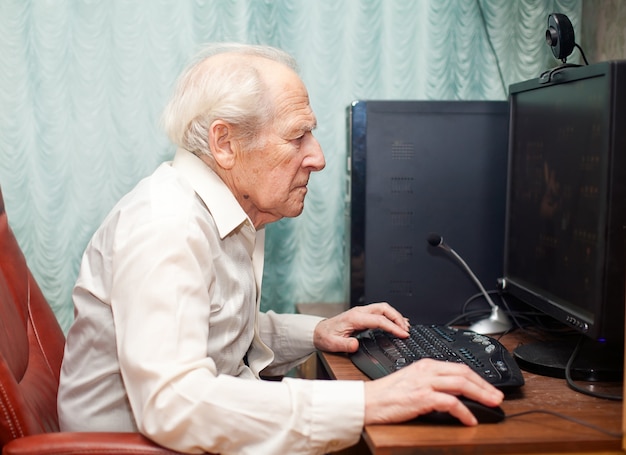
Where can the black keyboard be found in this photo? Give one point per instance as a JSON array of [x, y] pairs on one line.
[[381, 353]]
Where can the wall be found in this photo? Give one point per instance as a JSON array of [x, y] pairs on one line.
[[603, 30]]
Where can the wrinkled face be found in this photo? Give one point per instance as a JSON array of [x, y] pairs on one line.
[[271, 180]]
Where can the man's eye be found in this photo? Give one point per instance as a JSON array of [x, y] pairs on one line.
[[302, 137]]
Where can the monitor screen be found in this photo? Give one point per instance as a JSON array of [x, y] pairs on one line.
[[564, 235]]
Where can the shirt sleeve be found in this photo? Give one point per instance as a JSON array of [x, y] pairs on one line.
[[177, 397], [290, 336]]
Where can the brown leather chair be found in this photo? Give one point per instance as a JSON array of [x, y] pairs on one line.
[[31, 349]]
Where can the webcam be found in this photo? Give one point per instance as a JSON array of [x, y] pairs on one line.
[[560, 36]]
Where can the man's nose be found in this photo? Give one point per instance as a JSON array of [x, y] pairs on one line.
[[315, 155]]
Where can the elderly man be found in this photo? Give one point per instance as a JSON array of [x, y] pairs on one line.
[[168, 339]]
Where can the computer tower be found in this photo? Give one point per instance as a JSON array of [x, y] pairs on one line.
[[418, 167]]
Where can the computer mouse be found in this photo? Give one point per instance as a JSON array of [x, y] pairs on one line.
[[484, 414]]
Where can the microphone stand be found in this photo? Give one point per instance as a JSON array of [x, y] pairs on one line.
[[498, 321]]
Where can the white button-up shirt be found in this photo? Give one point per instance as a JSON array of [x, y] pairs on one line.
[[168, 339]]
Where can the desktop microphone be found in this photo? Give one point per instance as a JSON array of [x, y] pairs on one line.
[[498, 321]]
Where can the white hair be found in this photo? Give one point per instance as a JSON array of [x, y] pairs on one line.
[[231, 90]]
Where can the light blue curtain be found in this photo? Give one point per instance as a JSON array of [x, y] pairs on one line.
[[83, 82]]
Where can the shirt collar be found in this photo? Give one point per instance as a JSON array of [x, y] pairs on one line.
[[217, 197]]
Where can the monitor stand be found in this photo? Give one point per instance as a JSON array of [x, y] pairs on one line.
[[597, 362]]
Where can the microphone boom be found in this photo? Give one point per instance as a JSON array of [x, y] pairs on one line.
[[498, 321]]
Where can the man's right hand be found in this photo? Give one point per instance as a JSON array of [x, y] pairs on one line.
[[425, 386]]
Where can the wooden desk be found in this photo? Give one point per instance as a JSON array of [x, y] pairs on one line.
[[533, 433]]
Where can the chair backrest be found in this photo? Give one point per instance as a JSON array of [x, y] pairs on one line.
[[31, 346]]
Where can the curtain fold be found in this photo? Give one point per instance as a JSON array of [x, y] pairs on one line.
[[83, 83]]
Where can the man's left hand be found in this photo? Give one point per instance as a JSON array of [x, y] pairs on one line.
[[336, 334]]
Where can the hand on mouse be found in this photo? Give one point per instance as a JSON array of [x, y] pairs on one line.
[[426, 386]]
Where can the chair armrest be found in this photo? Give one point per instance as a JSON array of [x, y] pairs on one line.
[[84, 444]]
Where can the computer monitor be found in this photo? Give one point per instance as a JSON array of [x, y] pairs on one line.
[[566, 211]]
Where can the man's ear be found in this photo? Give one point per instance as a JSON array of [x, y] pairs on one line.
[[222, 144]]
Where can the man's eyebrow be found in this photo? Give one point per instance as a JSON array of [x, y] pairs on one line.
[[305, 128], [301, 128]]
